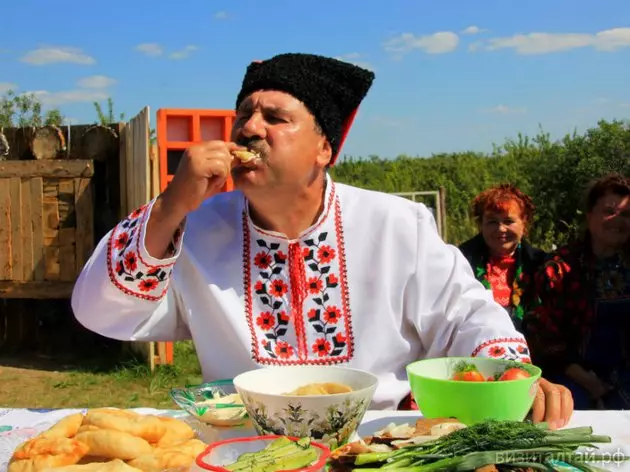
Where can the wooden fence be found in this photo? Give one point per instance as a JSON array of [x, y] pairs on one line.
[[61, 190], [46, 226], [140, 182]]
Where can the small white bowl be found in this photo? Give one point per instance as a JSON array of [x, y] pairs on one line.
[[328, 419]]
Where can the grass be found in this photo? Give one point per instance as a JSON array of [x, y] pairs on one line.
[[123, 382]]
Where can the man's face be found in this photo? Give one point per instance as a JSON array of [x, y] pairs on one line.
[[282, 130]]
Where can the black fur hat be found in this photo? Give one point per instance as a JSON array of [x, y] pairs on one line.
[[331, 89]]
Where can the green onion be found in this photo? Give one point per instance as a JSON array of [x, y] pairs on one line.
[[510, 443]]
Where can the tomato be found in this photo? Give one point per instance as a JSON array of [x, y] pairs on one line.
[[514, 373], [469, 376]]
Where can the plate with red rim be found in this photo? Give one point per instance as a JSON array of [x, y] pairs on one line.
[[227, 451]]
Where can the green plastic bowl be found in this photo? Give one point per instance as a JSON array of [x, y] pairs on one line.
[[472, 402]]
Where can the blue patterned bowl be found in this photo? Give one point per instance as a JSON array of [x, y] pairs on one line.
[[216, 403]]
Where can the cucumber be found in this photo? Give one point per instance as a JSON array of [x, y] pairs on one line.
[[281, 454]]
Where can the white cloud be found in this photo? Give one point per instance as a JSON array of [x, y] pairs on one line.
[[54, 99], [150, 49], [356, 59], [56, 54], [437, 43], [6, 86], [155, 49], [183, 53], [475, 46], [505, 110], [473, 30], [96, 82], [221, 15], [90, 89], [545, 43]]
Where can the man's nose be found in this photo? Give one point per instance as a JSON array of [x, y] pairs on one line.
[[254, 126]]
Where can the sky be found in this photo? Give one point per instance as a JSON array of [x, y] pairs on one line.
[[451, 75]]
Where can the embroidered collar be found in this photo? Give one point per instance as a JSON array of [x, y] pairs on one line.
[[329, 192]]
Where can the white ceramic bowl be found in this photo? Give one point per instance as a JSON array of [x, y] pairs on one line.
[[329, 419]]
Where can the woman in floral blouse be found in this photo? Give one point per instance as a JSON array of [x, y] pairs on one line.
[[499, 254], [580, 333]]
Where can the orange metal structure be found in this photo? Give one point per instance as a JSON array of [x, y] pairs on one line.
[[177, 130]]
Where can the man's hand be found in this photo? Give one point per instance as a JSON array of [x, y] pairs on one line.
[[202, 172], [553, 404]]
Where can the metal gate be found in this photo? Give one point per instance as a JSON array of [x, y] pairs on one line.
[[438, 208]]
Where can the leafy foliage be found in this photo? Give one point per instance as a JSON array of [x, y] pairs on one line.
[[26, 110], [554, 174], [110, 117]]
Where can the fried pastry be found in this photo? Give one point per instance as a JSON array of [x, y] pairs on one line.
[[177, 431], [114, 444], [112, 466], [65, 428], [147, 427], [44, 452]]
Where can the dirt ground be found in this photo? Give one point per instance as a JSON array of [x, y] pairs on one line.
[[40, 382]]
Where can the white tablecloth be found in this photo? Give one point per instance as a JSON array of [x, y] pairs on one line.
[[17, 425]]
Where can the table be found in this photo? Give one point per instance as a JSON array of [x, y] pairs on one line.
[[17, 425]]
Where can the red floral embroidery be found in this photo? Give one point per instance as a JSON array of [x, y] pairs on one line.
[[270, 291], [148, 284], [127, 270], [266, 321], [296, 296], [284, 350], [332, 314], [324, 320], [131, 262], [315, 285], [515, 349], [278, 288], [325, 254], [496, 351], [262, 260], [121, 241], [321, 347]]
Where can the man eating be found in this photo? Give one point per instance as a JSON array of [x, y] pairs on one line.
[[291, 267]]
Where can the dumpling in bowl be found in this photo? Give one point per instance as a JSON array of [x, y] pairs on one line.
[[321, 388]]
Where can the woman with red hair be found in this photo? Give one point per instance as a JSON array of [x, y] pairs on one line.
[[499, 254]]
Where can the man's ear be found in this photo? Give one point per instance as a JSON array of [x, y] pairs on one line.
[[325, 152]]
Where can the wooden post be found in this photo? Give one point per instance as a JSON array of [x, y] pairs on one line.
[[442, 196], [136, 187]]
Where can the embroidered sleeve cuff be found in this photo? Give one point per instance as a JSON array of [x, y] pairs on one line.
[[514, 349], [131, 268]]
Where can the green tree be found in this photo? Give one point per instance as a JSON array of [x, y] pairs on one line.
[[109, 118], [554, 174], [26, 110]]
